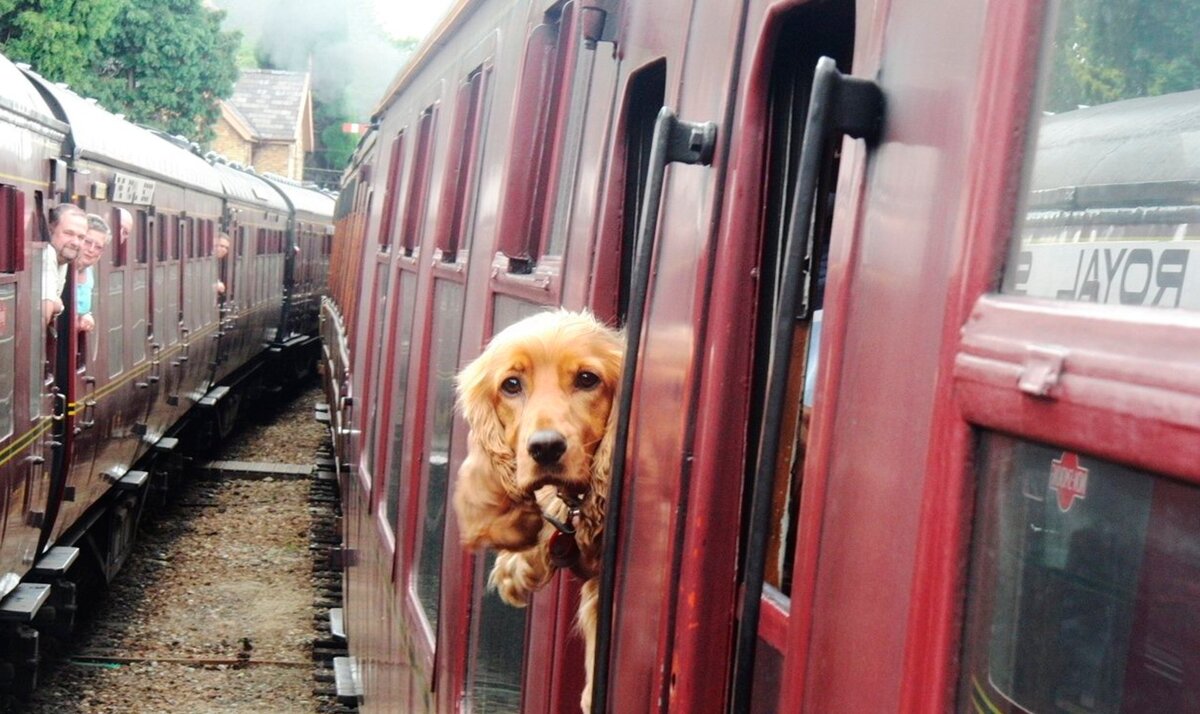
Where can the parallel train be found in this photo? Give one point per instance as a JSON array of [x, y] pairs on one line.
[[94, 425], [913, 405]]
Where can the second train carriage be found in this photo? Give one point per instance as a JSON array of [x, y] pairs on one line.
[[89, 420]]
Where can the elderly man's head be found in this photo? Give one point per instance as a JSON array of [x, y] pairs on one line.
[[98, 234], [221, 249], [126, 224], [68, 227]]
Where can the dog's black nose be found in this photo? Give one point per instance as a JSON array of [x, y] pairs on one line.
[[547, 446]]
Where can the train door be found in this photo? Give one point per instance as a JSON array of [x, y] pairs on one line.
[[22, 426]]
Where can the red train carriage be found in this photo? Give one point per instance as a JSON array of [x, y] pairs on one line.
[[92, 422], [912, 423]]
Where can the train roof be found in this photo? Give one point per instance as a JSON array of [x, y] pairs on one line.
[[1128, 150], [250, 188], [303, 198], [18, 96], [103, 136]]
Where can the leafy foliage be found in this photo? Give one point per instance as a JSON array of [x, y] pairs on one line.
[[61, 39], [166, 64], [1108, 50], [160, 62]]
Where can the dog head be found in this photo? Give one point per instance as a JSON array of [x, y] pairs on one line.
[[539, 401]]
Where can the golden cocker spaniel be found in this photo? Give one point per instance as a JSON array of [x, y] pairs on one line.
[[541, 404]]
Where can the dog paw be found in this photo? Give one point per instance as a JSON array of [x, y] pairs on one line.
[[515, 578]]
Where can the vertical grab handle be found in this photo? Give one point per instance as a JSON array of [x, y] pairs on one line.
[[839, 105], [674, 141]]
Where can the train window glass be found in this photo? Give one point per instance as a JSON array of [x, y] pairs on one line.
[[791, 74], [120, 224], [497, 630], [455, 213], [115, 323], [1082, 594], [647, 92], [392, 197], [8, 356], [33, 312], [12, 230], [164, 238], [545, 76], [418, 185], [1109, 212], [141, 238], [374, 362], [448, 301], [139, 314], [395, 477]]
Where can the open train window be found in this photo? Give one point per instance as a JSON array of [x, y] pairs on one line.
[[455, 215], [543, 109], [801, 37], [497, 643], [418, 184], [391, 201], [12, 230], [120, 224]]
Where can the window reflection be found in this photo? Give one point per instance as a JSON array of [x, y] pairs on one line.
[[1112, 193]]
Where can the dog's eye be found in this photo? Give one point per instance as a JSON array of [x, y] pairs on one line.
[[511, 386], [586, 380]]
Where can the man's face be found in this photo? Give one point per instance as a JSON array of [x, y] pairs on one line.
[[92, 248], [221, 249], [126, 224], [67, 236]]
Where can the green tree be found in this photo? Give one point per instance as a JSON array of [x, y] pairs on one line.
[[165, 63], [59, 38], [1107, 50]]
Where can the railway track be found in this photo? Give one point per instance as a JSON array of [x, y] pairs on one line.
[[225, 602]]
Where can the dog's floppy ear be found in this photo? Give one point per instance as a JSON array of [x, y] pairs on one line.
[[491, 512]]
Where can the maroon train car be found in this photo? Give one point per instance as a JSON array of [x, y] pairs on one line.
[[93, 424], [913, 411]]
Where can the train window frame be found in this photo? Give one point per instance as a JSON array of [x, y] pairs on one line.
[[392, 194], [416, 201], [1089, 378], [120, 246], [452, 237], [529, 219], [12, 229]]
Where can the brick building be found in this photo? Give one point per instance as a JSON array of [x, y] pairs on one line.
[[267, 123]]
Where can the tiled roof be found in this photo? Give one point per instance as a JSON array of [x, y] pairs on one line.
[[271, 101]]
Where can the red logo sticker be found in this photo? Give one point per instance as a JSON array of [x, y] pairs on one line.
[[1069, 479]]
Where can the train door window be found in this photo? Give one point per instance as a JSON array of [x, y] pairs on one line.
[[455, 213], [418, 185], [375, 357], [1086, 546], [404, 304], [801, 37], [391, 199], [447, 331], [8, 356], [497, 634], [12, 230], [542, 105], [115, 322]]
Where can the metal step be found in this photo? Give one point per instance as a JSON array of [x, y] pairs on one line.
[[23, 603], [133, 480], [346, 678], [337, 624], [56, 561]]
